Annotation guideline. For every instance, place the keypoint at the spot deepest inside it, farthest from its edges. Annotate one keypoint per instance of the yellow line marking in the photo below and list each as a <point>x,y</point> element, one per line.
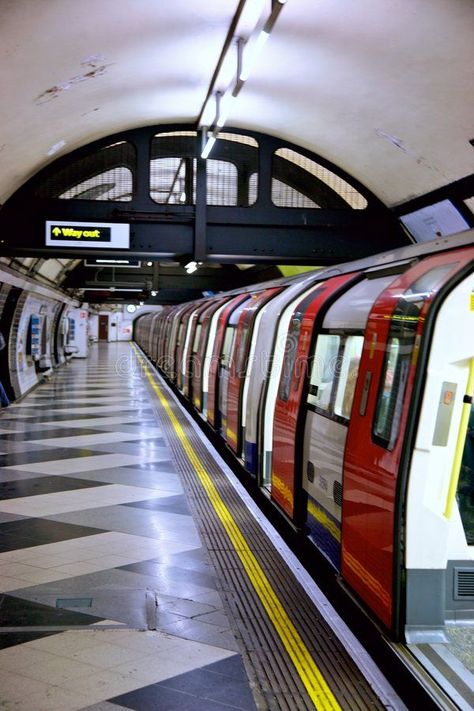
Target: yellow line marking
<point>321,516</point>
<point>314,682</point>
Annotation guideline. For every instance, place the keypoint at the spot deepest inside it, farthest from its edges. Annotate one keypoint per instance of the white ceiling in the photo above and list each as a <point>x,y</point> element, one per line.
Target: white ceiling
<point>383,88</point>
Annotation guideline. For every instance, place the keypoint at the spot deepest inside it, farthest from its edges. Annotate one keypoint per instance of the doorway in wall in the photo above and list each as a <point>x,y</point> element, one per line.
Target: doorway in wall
<point>103,327</point>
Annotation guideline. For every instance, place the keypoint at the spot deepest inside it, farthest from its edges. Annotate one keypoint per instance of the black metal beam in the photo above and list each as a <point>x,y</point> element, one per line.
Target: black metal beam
<point>260,232</point>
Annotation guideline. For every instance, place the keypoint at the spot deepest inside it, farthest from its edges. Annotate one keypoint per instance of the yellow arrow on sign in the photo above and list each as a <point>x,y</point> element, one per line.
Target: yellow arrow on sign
<point>56,231</point>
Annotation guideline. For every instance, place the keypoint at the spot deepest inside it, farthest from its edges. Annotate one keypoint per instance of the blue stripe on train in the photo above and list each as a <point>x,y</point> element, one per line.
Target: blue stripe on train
<point>321,536</point>
<point>251,457</point>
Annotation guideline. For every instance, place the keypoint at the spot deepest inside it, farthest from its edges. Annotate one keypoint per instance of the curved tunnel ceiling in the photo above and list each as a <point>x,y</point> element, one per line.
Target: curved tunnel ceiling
<point>382,88</point>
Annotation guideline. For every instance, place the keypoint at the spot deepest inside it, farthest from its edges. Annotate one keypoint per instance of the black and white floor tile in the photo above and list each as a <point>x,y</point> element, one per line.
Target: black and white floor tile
<point>107,598</point>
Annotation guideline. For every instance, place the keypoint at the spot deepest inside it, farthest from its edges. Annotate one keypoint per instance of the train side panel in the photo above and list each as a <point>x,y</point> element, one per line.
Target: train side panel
<point>239,366</point>
<point>439,546</point>
<point>372,500</point>
<point>286,479</point>
<point>215,364</point>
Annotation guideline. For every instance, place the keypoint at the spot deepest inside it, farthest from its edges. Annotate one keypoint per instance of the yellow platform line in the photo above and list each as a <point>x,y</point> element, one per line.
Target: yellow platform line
<point>314,682</point>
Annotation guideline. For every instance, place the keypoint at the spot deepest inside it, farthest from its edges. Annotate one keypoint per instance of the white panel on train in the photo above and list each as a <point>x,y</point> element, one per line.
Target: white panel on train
<point>208,357</point>
<point>267,413</point>
<point>437,539</point>
<point>260,358</point>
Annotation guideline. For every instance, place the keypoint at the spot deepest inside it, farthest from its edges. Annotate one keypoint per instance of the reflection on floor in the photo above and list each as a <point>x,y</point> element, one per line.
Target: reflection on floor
<point>107,599</point>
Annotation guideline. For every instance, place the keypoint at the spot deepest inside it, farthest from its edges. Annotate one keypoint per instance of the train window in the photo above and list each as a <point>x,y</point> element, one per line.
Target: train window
<point>349,369</point>
<point>227,347</point>
<point>465,491</point>
<point>240,359</point>
<point>323,371</point>
<point>197,337</point>
<point>398,356</point>
<point>298,181</point>
<point>387,401</point>
<point>289,359</point>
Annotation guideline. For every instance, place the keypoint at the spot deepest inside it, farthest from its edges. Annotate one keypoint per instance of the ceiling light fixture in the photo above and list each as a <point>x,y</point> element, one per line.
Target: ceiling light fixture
<point>227,104</point>
<point>251,53</point>
<point>111,288</point>
<point>210,139</point>
<point>248,50</point>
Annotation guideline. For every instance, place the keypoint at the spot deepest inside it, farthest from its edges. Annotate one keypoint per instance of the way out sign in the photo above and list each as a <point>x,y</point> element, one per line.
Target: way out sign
<point>106,235</point>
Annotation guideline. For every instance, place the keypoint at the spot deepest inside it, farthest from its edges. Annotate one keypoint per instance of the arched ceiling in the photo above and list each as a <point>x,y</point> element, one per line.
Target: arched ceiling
<point>383,88</point>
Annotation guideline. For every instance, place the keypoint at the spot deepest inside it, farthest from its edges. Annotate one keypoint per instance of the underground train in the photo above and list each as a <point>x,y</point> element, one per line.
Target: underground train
<point>346,395</point>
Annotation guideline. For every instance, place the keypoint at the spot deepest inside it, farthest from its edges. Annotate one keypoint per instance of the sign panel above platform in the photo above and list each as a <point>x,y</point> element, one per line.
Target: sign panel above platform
<point>103,235</point>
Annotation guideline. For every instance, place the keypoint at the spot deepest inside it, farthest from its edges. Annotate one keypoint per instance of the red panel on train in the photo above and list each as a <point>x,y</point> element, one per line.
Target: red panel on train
<point>239,366</point>
<point>288,404</point>
<point>198,366</point>
<point>216,354</point>
<point>373,454</point>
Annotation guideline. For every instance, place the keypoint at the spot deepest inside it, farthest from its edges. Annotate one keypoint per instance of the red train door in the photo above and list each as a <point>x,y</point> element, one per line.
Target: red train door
<point>200,353</point>
<point>233,433</point>
<point>213,392</point>
<point>165,341</point>
<point>173,343</point>
<point>286,445</point>
<point>377,454</point>
<point>194,336</point>
<point>180,341</point>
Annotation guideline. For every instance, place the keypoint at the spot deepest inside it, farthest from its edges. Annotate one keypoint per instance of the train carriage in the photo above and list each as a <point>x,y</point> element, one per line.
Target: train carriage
<point>215,364</point>
<point>347,395</point>
<point>270,330</point>
<point>240,366</point>
<point>203,353</point>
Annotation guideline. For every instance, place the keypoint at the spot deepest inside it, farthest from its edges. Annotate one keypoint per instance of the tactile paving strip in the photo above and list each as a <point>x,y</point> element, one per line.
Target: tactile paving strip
<point>274,678</point>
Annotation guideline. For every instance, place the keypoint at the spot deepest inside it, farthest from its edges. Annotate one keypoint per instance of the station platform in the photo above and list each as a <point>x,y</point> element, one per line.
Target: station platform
<point>136,572</point>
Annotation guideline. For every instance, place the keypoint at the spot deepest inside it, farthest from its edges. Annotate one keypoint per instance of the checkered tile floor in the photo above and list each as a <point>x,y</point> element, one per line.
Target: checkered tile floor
<point>107,598</point>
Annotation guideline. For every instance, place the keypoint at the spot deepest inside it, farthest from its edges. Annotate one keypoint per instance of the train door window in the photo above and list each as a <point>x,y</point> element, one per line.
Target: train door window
<point>348,370</point>
<point>323,371</point>
<point>398,355</point>
<point>180,334</point>
<point>197,337</point>
<point>227,347</point>
<point>384,419</point>
<point>240,358</point>
<point>465,490</point>
<point>291,349</point>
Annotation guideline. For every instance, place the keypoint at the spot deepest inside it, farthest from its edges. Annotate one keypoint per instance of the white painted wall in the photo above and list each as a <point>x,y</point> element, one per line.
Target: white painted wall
<point>78,337</point>
<point>94,327</point>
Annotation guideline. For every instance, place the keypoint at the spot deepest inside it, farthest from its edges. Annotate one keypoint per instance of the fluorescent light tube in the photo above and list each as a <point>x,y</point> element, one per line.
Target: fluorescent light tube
<point>251,53</point>
<point>208,147</point>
